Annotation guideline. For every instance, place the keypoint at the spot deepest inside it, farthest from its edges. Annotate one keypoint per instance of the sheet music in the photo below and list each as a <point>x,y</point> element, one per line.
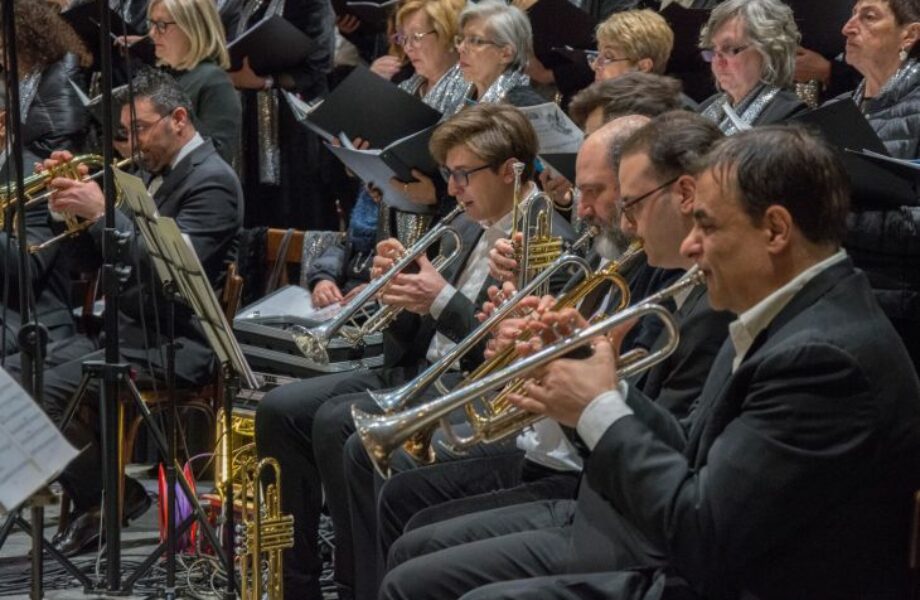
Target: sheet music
<point>32,450</point>
<point>555,130</point>
<point>370,168</point>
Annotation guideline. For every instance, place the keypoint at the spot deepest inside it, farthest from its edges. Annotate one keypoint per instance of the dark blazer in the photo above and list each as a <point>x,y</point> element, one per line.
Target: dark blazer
<point>216,107</point>
<point>795,477</point>
<point>203,195</point>
<point>407,341</point>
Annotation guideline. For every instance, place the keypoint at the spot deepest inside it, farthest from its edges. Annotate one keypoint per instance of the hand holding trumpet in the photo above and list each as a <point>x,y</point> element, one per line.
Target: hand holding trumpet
<point>83,199</point>
<point>414,292</point>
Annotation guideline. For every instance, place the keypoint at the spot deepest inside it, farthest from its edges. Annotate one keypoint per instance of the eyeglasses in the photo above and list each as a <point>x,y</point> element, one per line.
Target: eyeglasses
<point>725,52</point>
<point>596,60</point>
<point>159,26</point>
<point>460,176</point>
<point>410,40</point>
<point>142,128</point>
<point>474,41</point>
<point>627,204</point>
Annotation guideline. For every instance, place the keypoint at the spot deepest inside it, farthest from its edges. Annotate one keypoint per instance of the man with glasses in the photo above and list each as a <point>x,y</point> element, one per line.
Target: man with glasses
<point>194,186</point>
<point>305,425</point>
<point>547,537</point>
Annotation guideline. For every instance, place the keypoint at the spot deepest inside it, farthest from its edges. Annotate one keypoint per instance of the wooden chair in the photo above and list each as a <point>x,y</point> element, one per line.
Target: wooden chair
<point>283,250</point>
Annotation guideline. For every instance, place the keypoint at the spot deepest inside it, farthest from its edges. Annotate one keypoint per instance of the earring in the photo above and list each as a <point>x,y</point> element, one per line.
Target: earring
<point>902,55</point>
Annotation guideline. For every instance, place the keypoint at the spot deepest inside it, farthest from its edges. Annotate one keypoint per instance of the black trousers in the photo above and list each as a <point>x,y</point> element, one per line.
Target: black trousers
<point>291,426</point>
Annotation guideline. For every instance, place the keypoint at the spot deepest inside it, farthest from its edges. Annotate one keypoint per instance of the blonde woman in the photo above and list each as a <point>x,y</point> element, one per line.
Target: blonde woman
<point>633,40</point>
<point>189,39</point>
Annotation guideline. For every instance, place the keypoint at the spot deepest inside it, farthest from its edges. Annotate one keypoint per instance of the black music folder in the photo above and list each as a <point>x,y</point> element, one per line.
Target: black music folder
<point>84,20</point>
<point>373,15</point>
<point>563,163</point>
<point>559,24</point>
<point>875,182</point>
<point>368,106</point>
<point>686,63</point>
<point>273,45</point>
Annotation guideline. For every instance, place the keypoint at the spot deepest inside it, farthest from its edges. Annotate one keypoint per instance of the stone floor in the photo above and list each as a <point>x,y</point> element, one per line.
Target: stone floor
<point>138,541</point>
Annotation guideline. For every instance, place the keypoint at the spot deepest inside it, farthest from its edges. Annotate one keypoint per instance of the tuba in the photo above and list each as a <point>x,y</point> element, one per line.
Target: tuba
<point>493,411</point>
<point>35,190</point>
<point>383,434</point>
<point>263,533</point>
<point>314,342</point>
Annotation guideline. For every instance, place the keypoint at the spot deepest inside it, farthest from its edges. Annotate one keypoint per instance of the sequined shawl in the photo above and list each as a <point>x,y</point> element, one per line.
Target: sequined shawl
<point>747,111</point>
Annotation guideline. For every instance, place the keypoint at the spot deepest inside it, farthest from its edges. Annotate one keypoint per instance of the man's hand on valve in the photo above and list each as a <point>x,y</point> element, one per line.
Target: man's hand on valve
<point>83,199</point>
<point>510,330</point>
<point>388,252</point>
<point>415,292</point>
<point>563,388</point>
<point>502,265</point>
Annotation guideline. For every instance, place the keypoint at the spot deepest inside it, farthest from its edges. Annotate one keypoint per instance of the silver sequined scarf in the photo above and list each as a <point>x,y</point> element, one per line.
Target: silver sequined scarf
<point>446,95</point>
<point>747,111</point>
<point>269,156</point>
<point>500,87</point>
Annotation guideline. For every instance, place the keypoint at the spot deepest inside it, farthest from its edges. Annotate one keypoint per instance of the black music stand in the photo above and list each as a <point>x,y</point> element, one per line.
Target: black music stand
<point>184,280</point>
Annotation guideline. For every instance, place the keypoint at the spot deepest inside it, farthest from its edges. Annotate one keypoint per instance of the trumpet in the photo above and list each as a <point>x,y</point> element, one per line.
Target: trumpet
<point>263,534</point>
<point>419,445</point>
<point>539,248</point>
<point>35,190</point>
<point>314,342</point>
<point>398,398</point>
<point>383,434</point>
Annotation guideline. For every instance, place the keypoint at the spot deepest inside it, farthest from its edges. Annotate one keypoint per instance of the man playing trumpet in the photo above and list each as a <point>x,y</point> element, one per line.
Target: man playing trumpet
<point>793,476</point>
<point>305,425</point>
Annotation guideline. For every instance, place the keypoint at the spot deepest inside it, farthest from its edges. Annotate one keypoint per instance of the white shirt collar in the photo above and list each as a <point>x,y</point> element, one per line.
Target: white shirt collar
<point>187,149</point>
<point>751,322</point>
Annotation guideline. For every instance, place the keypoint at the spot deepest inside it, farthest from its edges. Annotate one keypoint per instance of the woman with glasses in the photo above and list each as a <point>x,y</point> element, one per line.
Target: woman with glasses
<point>495,44</point>
<point>189,40</point>
<point>882,38</point>
<point>633,40</point>
<point>751,47</point>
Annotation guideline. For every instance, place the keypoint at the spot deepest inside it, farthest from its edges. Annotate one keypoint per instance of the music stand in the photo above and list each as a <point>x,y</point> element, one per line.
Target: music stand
<point>184,279</point>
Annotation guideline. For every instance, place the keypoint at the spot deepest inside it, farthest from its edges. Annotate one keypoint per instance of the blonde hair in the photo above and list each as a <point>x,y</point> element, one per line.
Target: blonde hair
<point>199,21</point>
<point>639,34</point>
<point>443,14</point>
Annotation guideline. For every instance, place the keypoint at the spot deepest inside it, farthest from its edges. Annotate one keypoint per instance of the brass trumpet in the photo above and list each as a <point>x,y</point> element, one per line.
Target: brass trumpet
<point>263,533</point>
<point>35,190</point>
<point>314,342</point>
<point>419,445</point>
<point>383,434</point>
<point>539,248</point>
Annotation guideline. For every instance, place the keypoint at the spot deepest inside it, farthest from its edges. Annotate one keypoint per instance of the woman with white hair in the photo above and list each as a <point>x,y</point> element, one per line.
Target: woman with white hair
<point>751,46</point>
<point>189,39</point>
<point>495,43</point>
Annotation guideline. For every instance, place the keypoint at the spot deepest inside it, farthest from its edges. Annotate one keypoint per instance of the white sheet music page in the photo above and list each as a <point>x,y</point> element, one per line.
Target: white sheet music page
<point>32,449</point>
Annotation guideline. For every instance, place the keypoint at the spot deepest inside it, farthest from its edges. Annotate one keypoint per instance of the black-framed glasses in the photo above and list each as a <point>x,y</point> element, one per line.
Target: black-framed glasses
<point>599,61</point>
<point>474,41</point>
<point>159,26</point>
<point>725,52</point>
<point>626,204</point>
<point>142,128</point>
<point>460,176</point>
<point>410,40</point>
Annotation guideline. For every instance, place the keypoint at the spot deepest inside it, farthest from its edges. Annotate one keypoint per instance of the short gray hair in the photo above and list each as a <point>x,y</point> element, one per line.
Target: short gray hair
<point>771,27</point>
<point>507,24</point>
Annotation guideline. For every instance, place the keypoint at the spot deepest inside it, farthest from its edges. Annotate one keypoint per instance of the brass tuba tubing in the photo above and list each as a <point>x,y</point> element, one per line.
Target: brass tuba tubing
<point>313,342</point>
<point>382,435</point>
<point>398,398</point>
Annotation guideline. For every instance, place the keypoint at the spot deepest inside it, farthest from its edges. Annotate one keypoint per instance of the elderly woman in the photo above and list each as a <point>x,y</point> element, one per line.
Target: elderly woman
<point>882,38</point>
<point>633,40</point>
<point>189,38</point>
<point>425,31</point>
<point>495,43</point>
<point>751,46</point>
<point>52,118</point>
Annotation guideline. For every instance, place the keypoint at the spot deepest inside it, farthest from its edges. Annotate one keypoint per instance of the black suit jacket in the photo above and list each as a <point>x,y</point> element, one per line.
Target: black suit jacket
<point>203,195</point>
<point>795,478</point>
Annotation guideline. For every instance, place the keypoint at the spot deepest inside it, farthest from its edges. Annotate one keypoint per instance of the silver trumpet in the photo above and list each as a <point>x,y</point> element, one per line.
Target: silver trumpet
<point>383,434</point>
<point>398,398</point>
<point>314,342</point>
